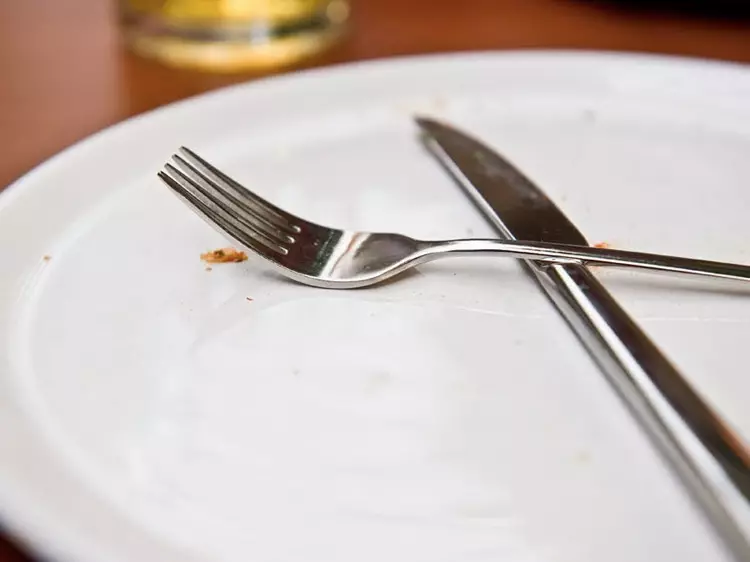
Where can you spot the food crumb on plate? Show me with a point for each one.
(583, 457)
(602, 245)
(209, 268)
(249, 299)
(224, 255)
(46, 257)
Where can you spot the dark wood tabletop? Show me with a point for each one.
(64, 73)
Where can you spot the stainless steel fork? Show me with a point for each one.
(342, 259)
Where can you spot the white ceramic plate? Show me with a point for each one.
(150, 411)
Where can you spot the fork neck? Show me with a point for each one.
(481, 247)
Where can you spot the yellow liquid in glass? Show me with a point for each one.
(232, 35)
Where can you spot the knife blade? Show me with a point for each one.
(704, 451)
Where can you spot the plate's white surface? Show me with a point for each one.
(149, 411)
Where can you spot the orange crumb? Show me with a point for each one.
(46, 257)
(224, 255)
(602, 245)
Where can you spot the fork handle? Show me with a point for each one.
(583, 255)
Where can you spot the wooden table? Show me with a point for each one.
(64, 75)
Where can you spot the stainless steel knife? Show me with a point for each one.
(712, 460)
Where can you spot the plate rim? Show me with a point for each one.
(374, 64)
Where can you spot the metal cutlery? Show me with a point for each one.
(710, 457)
(342, 259)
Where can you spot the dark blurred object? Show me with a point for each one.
(722, 9)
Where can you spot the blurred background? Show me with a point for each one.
(68, 67)
(71, 67)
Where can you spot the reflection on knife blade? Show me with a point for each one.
(527, 213)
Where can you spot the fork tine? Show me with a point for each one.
(216, 215)
(230, 203)
(242, 194)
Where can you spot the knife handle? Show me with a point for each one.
(704, 451)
